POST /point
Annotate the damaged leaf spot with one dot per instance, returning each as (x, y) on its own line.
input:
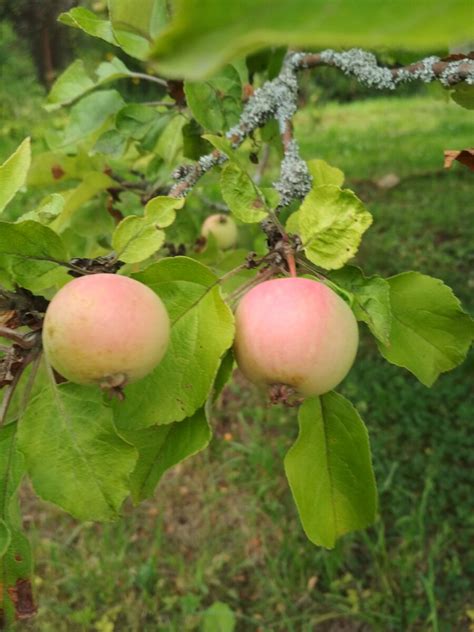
(21, 595)
(57, 172)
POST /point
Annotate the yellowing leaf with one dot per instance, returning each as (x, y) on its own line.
(323, 173)
(330, 222)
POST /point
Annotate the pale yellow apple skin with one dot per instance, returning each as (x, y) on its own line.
(223, 228)
(296, 332)
(105, 329)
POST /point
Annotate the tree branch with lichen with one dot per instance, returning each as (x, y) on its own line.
(277, 99)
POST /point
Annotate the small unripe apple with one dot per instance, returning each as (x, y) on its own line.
(105, 329)
(295, 332)
(223, 228)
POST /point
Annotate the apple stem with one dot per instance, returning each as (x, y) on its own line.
(291, 263)
(287, 251)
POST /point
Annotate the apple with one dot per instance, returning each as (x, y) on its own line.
(105, 329)
(295, 332)
(223, 228)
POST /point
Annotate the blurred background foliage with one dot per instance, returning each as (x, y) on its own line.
(223, 527)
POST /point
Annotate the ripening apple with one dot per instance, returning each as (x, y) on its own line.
(105, 329)
(223, 228)
(296, 332)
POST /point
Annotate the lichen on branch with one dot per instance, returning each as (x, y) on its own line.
(278, 99)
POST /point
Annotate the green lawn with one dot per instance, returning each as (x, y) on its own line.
(223, 526)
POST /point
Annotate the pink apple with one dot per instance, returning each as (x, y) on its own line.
(296, 332)
(223, 229)
(105, 329)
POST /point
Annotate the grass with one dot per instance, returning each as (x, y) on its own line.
(223, 526)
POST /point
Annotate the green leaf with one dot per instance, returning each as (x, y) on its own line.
(217, 102)
(170, 143)
(30, 240)
(463, 95)
(90, 23)
(70, 85)
(222, 144)
(205, 35)
(202, 331)
(224, 374)
(135, 23)
(47, 211)
(135, 239)
(145, 18)
(161, 210)
(218, 618)
(154, 131)
(15, 553)
(90, 114)
(111, 71)
(111, 143)
(323, 173)
(272, 197)
(162, 447)
(16, 569)
(330, 222)
(134, 120)
(75, 81)
(329, 470)
(92, 184)
(11, 472)
(13, 172)
(50, 167)
(34, 252)
(5, 537)
(241, 195)
(194, 145)
(430, 332)
(371, 299)
(73, 454)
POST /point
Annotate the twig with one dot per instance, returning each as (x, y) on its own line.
(363, 65)
(18, 339)
(188, 175)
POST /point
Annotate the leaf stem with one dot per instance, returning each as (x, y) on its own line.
(291, 264)
(145, 77)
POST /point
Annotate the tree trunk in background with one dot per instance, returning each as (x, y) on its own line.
(49, 41)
